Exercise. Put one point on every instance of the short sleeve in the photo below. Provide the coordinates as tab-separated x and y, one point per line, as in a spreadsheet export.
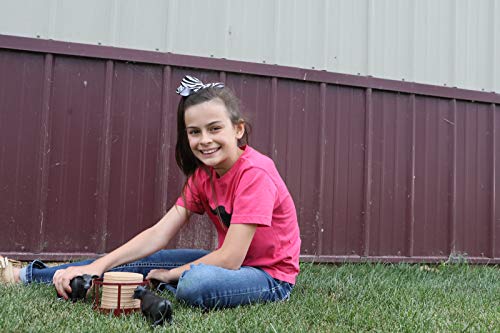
255	198
191	200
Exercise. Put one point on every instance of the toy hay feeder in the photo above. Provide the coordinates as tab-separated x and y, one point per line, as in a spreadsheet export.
113	293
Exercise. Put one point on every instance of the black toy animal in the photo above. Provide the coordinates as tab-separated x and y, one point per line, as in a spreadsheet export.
79	287
155	308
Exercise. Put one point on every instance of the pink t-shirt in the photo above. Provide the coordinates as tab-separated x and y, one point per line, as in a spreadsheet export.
252	192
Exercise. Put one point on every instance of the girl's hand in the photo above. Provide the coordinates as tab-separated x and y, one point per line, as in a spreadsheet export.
62	277
162	275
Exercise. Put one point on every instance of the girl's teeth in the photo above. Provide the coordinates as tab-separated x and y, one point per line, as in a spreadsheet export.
209	151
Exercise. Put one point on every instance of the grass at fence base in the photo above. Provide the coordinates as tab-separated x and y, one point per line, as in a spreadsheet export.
327	298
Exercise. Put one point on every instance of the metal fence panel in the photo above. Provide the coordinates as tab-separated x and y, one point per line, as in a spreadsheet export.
379	170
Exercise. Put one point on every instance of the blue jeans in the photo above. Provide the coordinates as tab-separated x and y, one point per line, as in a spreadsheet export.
204	286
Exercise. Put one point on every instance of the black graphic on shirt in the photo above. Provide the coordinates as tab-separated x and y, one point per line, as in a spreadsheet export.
225	216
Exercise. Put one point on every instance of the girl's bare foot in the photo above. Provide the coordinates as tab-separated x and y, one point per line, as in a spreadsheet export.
17	276
9	273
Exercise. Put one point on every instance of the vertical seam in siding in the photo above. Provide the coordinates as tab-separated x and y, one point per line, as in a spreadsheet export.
163	163
365	244
350	169
380	231
322	147
336	140
453	183
411	219
494	162
394	246
44	157
222	77
477	175
274	101
105	159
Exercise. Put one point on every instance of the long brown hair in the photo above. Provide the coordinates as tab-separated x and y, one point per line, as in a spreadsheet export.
184	157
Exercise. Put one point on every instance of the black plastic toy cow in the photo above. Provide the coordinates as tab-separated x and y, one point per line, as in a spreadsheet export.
155	308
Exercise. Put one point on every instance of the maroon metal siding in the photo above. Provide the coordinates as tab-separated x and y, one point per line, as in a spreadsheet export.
21	101
378	169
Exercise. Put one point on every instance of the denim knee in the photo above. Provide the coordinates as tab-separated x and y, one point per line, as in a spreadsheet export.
192	286
210	287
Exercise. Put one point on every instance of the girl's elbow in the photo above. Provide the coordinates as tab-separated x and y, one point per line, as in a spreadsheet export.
234	266
232	262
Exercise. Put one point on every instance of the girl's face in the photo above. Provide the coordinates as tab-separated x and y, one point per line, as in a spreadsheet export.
212	136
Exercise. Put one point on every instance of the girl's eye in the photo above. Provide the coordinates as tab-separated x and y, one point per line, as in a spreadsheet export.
193	131
215	128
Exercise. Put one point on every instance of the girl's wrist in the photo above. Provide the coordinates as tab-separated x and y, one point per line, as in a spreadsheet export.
97	268
173	275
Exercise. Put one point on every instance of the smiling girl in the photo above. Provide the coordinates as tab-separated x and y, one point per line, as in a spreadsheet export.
257	259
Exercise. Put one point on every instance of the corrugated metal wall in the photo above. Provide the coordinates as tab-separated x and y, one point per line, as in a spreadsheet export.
379	170
454	43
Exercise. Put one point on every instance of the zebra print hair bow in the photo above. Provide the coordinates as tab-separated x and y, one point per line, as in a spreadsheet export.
190	85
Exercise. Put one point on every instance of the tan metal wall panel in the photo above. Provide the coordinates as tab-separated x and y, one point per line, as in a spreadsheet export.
449	42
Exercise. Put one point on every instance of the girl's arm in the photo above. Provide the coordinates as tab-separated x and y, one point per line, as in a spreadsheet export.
147	242
230	255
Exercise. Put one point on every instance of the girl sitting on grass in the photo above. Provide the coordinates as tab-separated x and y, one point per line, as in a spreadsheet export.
257	259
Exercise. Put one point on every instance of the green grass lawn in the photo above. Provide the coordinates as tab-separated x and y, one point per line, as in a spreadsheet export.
327	298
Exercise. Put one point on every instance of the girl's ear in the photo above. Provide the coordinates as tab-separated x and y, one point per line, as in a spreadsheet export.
240	129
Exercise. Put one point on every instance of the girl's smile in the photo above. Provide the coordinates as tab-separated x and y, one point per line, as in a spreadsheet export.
213	138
